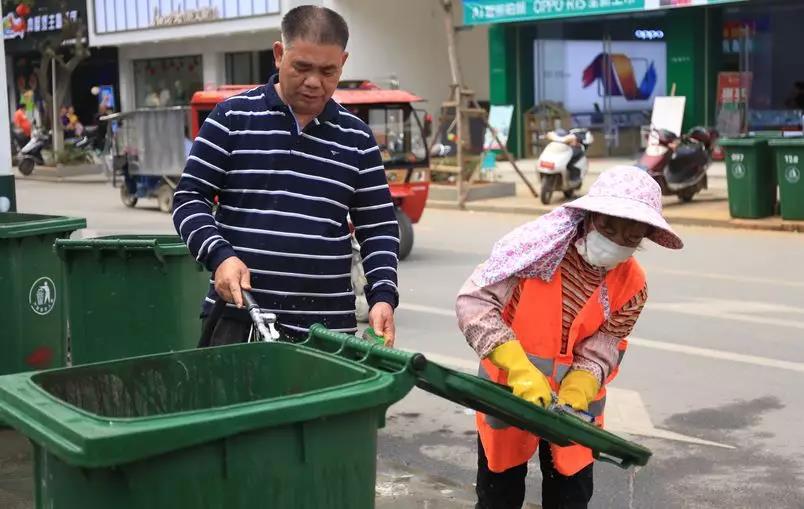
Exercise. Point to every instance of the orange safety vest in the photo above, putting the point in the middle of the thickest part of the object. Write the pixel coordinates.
(537, 323)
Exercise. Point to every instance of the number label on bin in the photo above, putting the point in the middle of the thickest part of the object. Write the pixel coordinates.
(790, 159)
(738, 157)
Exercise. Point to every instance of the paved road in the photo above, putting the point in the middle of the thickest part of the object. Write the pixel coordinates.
(711, 382)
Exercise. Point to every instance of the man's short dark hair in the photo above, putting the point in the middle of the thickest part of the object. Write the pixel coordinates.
(314, 24)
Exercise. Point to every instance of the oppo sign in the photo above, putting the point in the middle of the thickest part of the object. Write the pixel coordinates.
(649, 35)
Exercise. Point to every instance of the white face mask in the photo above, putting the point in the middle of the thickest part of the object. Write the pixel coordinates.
(599, 251)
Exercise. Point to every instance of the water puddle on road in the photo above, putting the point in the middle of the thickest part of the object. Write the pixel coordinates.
(631, 484)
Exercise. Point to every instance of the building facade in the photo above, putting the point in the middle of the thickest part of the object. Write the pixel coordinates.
(606, 61)
(25, 29)
(169, 49)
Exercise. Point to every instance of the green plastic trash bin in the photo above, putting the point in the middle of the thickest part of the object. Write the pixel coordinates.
(32, 291)
(750, 177)
(789, 155)
(131, 295)
(237, 427)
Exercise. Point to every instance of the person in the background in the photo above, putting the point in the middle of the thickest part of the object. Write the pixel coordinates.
(74, 125)
(102, 125)
(21, 120)
(550, 312)
(64, 119)
(29, 104)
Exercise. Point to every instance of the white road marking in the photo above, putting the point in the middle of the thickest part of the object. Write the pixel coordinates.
(754, 360)
(709, 353)
(726, 277)
(739, 311)
(430, 310)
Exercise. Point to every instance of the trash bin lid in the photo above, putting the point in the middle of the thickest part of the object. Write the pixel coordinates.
(485, 396)
(15, 225)
(160, 245)
(741, 142)
(797, 141)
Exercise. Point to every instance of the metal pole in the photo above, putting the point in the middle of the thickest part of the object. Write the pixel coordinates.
(57, 139)
(8, 199)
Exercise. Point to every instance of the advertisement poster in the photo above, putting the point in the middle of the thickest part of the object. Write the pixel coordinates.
(500, 119)
(106, 96)
(733, 91)
(580, 74)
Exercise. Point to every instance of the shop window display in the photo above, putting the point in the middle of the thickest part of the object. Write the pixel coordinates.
(163, 82)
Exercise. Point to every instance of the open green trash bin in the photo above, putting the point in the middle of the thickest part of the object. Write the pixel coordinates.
(131, 295)
(789, 156)
(32, 291)
(243, 426)
(750, 176)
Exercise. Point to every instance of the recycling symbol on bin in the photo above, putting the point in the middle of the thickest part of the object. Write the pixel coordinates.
(738, 170)
(42, 296)
(792, 174)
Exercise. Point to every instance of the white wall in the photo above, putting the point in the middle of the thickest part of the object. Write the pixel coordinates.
(406, 38)
(212, 50)
(403, 38)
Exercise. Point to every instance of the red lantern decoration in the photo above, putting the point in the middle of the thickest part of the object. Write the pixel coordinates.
(22, 10)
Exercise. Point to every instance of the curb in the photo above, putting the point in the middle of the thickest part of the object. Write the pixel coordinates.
(779, 225)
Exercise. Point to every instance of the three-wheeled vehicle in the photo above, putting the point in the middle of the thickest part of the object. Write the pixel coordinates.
(401, 132)
(149, 148)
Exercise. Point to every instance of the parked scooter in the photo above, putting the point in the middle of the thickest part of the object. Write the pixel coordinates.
(31, 154)
(679, 164)
(563, 164)
(18, 140)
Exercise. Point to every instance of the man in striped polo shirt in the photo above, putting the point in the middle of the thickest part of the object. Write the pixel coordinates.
(290, 167)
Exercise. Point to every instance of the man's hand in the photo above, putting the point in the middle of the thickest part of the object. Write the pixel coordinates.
(230, 277)
(381, 319)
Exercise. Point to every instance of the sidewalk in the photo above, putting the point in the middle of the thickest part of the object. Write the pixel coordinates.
(709, 208)
(81, 174)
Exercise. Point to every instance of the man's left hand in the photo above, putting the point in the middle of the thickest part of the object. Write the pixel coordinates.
(381, 319)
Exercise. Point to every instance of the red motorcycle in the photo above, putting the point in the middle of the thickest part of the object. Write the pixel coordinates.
(679, 164)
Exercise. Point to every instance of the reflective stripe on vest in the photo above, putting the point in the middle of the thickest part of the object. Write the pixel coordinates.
(537, 323)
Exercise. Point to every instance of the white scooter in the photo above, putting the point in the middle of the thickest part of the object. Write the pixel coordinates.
(562, 165)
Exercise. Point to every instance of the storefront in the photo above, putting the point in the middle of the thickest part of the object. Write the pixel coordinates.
(760, 44)
(25, 30)
(600, 64)
(169, 50)
(392, 43)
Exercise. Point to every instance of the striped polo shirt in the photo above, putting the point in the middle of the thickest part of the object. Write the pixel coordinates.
(285, 199)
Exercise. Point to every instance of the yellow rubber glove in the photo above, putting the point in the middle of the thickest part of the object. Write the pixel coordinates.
(524, 378)
(578, 389)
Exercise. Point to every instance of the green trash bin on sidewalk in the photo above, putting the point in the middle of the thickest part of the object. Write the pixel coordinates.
(789, 155)
(750, 176)
(131, 295)
(273, 425)
(32, 297)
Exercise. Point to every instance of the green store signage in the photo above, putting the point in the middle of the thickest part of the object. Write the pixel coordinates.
(478, 12)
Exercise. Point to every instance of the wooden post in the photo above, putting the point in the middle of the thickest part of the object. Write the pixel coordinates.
(452, 51)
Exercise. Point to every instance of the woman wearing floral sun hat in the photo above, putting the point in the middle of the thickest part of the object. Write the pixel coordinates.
(549, 312)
